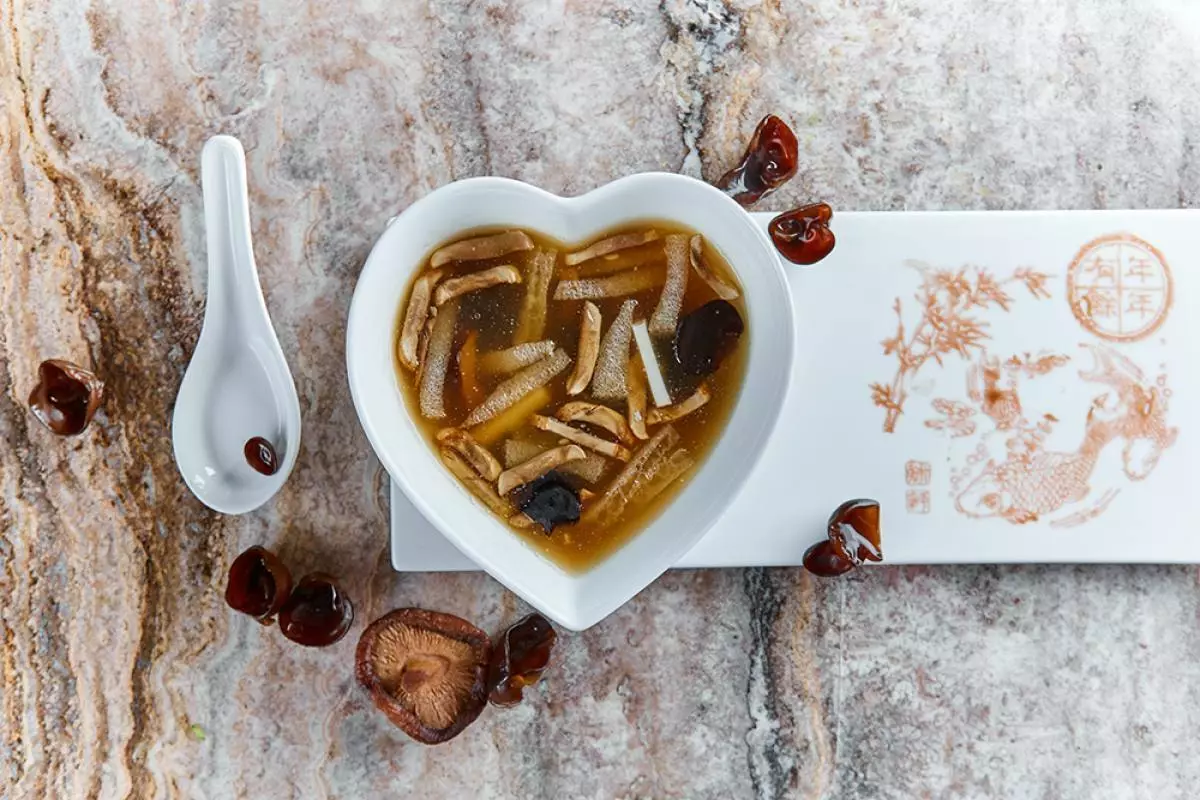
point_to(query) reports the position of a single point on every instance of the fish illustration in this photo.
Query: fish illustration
(1029, 485)
(996, 393)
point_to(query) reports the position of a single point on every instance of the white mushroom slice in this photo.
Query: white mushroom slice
(598, 415)
(513, 358)
(666, 314)
(632, 281)
(657, 416)
(522, 383)
(475, 483)
(608, 381)
(622, 241)
(589, 348)
(415, 316)
(531, 323)
(482, 247)
(437, 362)
(537, 466)
(721, 287)
(589, 470)
(636, 400)
(586, 495)
(601, 446)
(474, 281)
(521, 520)
(631, 481)
(475, 454)
(649, 359)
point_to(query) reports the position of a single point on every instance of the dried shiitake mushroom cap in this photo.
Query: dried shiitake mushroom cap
(426, 670)
(66, 397)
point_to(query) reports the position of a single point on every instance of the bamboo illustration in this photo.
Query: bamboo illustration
(951, 304)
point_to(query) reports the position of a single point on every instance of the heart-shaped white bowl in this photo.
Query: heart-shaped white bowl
(574, 600)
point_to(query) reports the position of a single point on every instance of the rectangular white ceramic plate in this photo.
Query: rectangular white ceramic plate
(1054, 429)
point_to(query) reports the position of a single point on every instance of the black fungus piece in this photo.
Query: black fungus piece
(549, 501)
(705, 336)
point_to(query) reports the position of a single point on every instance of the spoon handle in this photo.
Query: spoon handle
(232, 273)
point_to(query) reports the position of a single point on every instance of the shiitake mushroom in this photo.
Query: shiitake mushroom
(259, 584)
(426, 671)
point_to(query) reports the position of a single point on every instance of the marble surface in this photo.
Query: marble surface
(123, 673)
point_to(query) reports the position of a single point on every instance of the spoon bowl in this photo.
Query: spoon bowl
(237, 385)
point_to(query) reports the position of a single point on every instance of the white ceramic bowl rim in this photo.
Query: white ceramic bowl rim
(573, 600)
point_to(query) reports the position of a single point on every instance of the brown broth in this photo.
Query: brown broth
(493, 312)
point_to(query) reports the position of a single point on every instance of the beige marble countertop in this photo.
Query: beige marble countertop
(123, 672)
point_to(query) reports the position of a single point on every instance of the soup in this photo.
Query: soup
(573, 390)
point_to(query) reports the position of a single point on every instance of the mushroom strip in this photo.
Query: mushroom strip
(474, 281)
(531, 323)
(482, 247)
(638, 279)
(475, 454)
(512, 390)
(550, 425)
(634, 477)
(622, 241)
(589, 348)
(666, 315)
(475, 483)
(598, 415)
(423, 342)
(537, 466)
(513, 358)
(608, 382)
(415, 316)
(637, 398)
(590, 469)
(672, 413)
(436, 362)
(721, 287)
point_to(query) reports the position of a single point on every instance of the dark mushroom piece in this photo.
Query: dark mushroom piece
(426, 671)
(318, 613)
(705, 336)
(802, 235)
(549, 501)
(66, 397)
(852, 538)
(261, 456)
(769, 162)
(519, 658)
(259, 584)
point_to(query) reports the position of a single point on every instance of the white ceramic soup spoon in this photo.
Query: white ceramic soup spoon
(237, 385)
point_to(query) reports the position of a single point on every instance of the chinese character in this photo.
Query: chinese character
(917, 473)
(1100, 269)
(1098, 303)
(1142, 304)
(916, 501)
(1141, 268)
